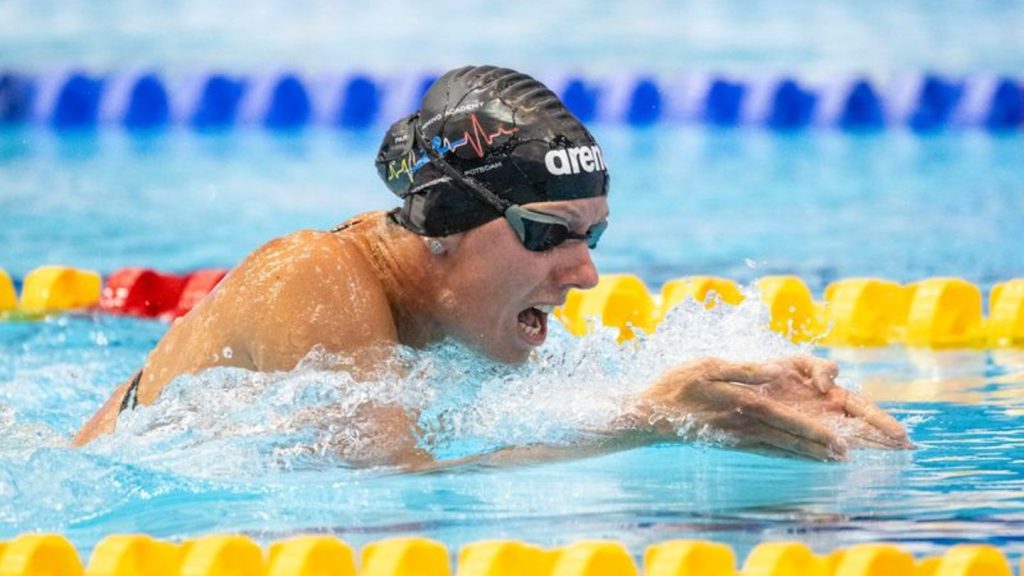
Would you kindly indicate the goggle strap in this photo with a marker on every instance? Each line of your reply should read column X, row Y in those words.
column 481, row 191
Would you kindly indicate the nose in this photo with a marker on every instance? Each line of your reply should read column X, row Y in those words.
column 579, row 270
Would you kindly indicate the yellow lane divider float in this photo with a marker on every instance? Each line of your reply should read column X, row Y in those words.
column 944, row 313
column 792, row 310
column 60, row 288
column 47, row 289
column 618, row 300
column 1006, row 315
column 706, row 289
column 140, row 555
column 8, row 297
column 862, row 312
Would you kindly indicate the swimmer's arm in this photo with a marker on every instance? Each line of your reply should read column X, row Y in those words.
column 787, row 407
column 103, row 421
column 540, row 453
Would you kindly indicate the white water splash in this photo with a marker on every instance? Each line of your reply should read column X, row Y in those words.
column 25, row 437
column 228, row 421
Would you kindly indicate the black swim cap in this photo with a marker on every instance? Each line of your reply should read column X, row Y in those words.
column 486, row 138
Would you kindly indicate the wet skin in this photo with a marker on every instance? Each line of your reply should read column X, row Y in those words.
column 374, row 285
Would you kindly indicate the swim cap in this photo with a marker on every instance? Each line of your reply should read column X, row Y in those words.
column 486, row 138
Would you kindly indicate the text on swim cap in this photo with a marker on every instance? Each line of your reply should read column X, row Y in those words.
column 574, row 160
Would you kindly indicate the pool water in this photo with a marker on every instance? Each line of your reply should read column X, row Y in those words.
column 224, row 451
column 800, row 36
column 230, row 451
column 685, row 200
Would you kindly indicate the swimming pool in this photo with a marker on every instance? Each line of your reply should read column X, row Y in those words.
column 734, row 203
column 823, row 205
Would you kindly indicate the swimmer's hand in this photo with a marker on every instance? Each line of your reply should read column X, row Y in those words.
column 790, row 405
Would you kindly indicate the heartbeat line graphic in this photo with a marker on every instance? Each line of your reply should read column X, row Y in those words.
column 476, row 139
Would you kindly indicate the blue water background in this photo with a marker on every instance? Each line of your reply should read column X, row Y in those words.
column 685, row 200
column 797, row 36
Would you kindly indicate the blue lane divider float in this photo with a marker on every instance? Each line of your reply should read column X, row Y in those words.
column 218, row 102
column 288, row 100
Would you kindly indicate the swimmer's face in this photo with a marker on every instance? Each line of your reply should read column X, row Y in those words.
column 500, row 294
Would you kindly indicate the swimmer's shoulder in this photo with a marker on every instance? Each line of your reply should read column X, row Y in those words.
column 308, row 288
column 315, row 248
column 287, row 296
column 344, row 243
column 312, row 261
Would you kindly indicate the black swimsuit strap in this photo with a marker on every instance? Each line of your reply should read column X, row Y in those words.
column 131, row 395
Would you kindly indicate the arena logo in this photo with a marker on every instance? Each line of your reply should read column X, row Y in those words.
column 574, row 160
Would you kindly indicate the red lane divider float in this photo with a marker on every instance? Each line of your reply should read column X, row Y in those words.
column 147, row 293
column 151, row 294
column 140, row 292
column 197, row 285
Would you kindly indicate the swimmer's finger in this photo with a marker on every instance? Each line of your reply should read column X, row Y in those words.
column 782, row 441
column 784, row 418
column 860, row 407
column 818, row 372
column 872, row 438
column 823, row 374
column 743, row 372
column 860, row 434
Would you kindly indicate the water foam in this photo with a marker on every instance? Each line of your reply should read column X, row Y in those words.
column 229, row 421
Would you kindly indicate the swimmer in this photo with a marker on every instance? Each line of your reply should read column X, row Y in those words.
column 504, row 194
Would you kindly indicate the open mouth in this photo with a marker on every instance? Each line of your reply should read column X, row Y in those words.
column 533, row 324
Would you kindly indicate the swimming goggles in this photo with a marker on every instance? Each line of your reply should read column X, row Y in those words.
column 538, row 231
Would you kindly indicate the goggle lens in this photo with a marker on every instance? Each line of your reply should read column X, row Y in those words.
column 540, row 231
